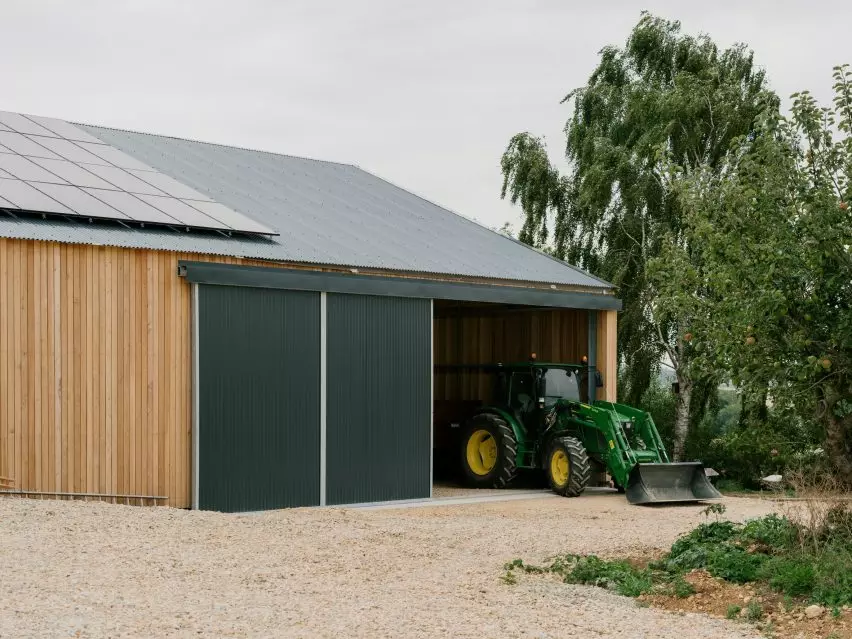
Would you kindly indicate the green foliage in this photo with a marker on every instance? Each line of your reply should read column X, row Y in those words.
column 793, row 576
column 754, row 611
column 681, row 588
column 714, row 509
column 732, row 563
column 733, row 611
column 618, row 575
column 770, row 534
column 772, row 231
column 612, row 213
column 768, row 549
column 727, row 485
column 833, row 578
column 509, row 578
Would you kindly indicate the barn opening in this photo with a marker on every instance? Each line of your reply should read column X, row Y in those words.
column 470, row 336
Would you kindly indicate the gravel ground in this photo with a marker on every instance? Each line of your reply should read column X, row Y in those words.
column 97, row 570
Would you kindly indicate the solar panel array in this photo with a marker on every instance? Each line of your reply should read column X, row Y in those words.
column 51, row 166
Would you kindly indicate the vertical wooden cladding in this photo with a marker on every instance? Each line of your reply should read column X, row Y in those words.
column 483, row 334
column 95, row 370
column 607, row 355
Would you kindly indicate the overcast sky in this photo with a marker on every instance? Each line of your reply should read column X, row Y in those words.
column 424, row 94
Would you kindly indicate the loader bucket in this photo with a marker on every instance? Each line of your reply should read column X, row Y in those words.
column 659, row 483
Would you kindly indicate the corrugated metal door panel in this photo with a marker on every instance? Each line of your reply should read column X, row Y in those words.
column 259, row 398
column 379, row 398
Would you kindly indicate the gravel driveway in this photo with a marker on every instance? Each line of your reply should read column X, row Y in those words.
column 98, row 570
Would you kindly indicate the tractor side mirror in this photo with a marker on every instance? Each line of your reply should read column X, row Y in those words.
column 599, row 382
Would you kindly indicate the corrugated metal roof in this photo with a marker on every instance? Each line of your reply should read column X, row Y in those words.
column 326, row 213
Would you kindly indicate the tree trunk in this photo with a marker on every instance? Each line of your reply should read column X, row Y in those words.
column 681, row 426
column 838, row 438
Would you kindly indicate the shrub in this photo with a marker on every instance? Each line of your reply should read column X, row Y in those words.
column 693, row 550
column 772, row 534
column 754, row 611
column 734, row 564
column 793, row 576
column 733, row 611
column 833, row 578
column 681, row 588
column 619, row 576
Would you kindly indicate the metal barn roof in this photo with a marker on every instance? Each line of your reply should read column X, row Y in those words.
column 326, row 213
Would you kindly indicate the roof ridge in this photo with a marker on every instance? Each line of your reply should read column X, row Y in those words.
column 216, row 144
column 476, row 222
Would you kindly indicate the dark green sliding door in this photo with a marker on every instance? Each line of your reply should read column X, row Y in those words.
column 258, row 398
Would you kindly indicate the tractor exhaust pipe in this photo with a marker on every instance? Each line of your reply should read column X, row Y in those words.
column 661, row 483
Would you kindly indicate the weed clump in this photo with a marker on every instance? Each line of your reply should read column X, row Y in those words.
column 809, row 558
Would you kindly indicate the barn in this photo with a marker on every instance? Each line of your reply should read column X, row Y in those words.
column 203, row 326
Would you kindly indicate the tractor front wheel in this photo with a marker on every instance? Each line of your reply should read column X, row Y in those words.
column 488, row 451
column 567, row 466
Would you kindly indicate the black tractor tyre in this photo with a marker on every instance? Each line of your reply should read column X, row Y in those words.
column 503, row 439
column 570, row 481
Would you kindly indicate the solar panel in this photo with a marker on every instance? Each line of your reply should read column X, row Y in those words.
column 24, row 169
column 168, row 185
column 22, row 124
column 225, row 215
column 50, row 166
column 70, row 151
column 183, row 212
column 133, row 207
column 71, row 173
column 114, row 156
column 63, row 129
column 79, row 201
column 25, row 197
column 22, row 145
column 124, row 180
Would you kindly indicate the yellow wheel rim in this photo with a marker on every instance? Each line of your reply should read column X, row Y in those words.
column 481, row 452
column 559, row 467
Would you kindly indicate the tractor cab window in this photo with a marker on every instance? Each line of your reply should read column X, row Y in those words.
column 523, row 392
column 560, row 384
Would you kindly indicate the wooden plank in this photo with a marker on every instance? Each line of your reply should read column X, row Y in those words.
column 108, row 311
column 88, row 348
column 18, row 341
column 5, row 456
column 150, row 374
column 49, row 377
column 97, row 414
column 29, row 362
column 77, row 339
column 122, row 351
column 607, row 354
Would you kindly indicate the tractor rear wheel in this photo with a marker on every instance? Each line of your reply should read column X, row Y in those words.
column 567, row 466
column 488, row 451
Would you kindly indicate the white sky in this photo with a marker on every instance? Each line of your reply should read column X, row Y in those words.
column 424, row 94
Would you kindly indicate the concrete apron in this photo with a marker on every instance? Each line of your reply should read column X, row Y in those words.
column 510, row 495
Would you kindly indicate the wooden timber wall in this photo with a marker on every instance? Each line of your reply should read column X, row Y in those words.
column 485, row 335
column 95, row 370
column 478, row 334
column 95, row 365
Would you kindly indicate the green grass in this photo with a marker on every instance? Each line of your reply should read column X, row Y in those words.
column 733, row 611
column 799, row 563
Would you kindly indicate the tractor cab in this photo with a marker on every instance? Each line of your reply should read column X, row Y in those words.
column 529, row 390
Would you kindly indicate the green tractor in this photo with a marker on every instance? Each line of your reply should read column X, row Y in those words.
column 541, row 419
